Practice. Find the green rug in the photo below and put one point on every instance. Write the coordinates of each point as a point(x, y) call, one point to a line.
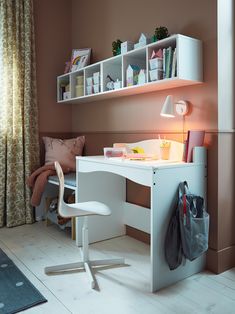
point(16, 291)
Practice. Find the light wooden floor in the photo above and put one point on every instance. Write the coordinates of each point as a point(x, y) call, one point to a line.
point(122, 290)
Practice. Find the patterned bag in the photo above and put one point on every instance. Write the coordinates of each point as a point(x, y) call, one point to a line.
point(194, 223)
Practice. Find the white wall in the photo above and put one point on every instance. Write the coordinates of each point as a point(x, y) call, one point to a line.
point(225, 28)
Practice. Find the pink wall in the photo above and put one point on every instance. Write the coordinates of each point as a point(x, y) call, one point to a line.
point(53, 48)
point(96, 24)
point(65, 24)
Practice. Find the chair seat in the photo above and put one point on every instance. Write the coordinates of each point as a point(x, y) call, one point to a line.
point(87, 208)
point(69, 179)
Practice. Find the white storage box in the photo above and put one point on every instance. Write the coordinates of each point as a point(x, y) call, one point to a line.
point(117, 84)
point(79, 80)
point(89, 90)
point(79, 90)
point(126, 46)
point(156, 63)
point(89, 81)
point(155, 75)
point(96, 88)
point(96, 78)
point(66, 95)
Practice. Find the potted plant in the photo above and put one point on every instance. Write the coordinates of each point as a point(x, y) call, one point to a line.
point(116, 47)
point(160, 33)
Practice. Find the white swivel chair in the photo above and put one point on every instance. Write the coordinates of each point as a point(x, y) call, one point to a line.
point(76, 210)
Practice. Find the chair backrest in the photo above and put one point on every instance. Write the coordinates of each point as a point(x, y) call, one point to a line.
point(77, 209)
point(60, 175)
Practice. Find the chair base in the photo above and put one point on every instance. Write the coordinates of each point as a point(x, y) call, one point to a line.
point(86, 265)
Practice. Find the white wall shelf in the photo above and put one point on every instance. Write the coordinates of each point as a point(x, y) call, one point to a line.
point(188, 71)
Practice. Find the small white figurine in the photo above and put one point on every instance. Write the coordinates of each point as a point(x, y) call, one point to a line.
point(110, 84)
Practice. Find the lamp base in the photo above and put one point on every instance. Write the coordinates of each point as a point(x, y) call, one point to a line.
point(181, 107)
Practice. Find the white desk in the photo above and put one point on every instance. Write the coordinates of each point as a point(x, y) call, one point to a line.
point(104, 180)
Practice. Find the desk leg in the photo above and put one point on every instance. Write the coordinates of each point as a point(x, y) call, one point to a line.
point(75, 220)
point(163, 193)
point(73, 228)
point(107, 188)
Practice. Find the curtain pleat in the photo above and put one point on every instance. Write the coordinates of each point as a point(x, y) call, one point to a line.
point(19, 146)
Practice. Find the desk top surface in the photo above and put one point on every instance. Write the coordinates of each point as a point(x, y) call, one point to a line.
point(147, 164)
point(138, 171)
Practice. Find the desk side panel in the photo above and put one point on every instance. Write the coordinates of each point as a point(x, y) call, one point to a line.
point(109, 189)
point(164, 193)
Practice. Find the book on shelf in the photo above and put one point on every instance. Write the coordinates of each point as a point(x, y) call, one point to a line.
point(164, 63)
point(194, 138)
point(169, 62)
point(173, 68)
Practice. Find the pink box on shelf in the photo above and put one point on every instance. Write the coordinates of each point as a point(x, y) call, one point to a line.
point(114, 152)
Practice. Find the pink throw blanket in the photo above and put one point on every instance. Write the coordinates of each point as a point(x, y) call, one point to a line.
point(38, 180)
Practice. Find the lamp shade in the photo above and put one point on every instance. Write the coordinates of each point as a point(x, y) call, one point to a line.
point(168, 108)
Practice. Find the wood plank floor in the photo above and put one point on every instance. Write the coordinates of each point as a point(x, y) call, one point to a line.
point(123, 290)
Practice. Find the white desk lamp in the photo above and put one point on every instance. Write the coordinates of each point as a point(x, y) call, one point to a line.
point(181, 107)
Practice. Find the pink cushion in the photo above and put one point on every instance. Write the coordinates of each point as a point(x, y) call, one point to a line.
point(63, 151)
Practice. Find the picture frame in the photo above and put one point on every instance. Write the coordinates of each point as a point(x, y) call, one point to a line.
point(80, 58)
point(67, 67)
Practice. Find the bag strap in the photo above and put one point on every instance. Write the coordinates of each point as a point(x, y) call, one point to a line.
point(183, 189)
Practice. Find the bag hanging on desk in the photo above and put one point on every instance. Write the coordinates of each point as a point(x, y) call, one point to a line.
point(173, 247)
point(194, 223)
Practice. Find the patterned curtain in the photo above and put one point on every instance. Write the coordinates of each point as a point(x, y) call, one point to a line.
point(19, 148)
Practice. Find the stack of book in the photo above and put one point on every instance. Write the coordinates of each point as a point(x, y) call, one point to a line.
point(194, 138)
point(169, 62)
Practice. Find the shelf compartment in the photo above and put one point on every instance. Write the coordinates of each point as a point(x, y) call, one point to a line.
point(77, 84)
point(63, 86)
point(134, 58)
point(93, 80)
point(113, 68)
point(171, 43)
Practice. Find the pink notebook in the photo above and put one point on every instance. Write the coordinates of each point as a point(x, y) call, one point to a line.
point(195, 138)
